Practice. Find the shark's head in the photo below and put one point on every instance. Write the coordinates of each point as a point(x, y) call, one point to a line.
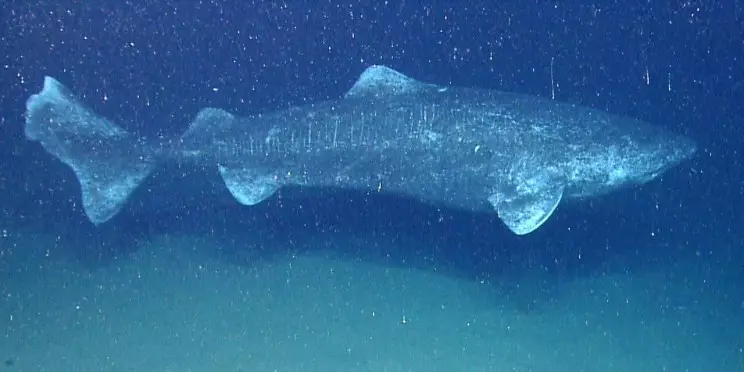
point(657, 156)
point(582, 153)
point(633, 155)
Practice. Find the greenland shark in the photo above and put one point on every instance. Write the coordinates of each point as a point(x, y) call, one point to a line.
point(474, 149)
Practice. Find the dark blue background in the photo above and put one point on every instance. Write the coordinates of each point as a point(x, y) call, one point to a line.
point(151, 65)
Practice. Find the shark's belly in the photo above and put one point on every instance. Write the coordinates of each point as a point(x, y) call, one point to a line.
point(439, 177)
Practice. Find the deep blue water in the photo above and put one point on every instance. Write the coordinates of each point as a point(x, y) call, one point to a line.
point(151, 65)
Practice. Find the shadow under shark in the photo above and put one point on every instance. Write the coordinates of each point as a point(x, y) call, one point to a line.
point(460, 147)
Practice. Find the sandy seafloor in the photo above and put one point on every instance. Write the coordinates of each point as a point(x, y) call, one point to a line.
point(173, 305)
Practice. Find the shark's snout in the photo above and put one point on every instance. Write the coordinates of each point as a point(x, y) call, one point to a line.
point(682, 148)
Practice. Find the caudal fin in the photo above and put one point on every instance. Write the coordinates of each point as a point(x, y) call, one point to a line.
point(108, 162)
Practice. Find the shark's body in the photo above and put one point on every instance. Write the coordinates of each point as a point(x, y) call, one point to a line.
point(465, 148)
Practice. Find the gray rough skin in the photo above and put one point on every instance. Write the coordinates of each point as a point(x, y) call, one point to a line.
point(460, 147)
point(464, 148)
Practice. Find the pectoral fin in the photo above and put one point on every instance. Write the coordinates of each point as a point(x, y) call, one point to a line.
point(525, 207)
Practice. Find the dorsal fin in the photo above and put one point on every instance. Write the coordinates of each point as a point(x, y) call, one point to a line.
point(384, 80)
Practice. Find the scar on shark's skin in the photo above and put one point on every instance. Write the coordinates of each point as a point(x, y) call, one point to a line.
point(458, 147)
